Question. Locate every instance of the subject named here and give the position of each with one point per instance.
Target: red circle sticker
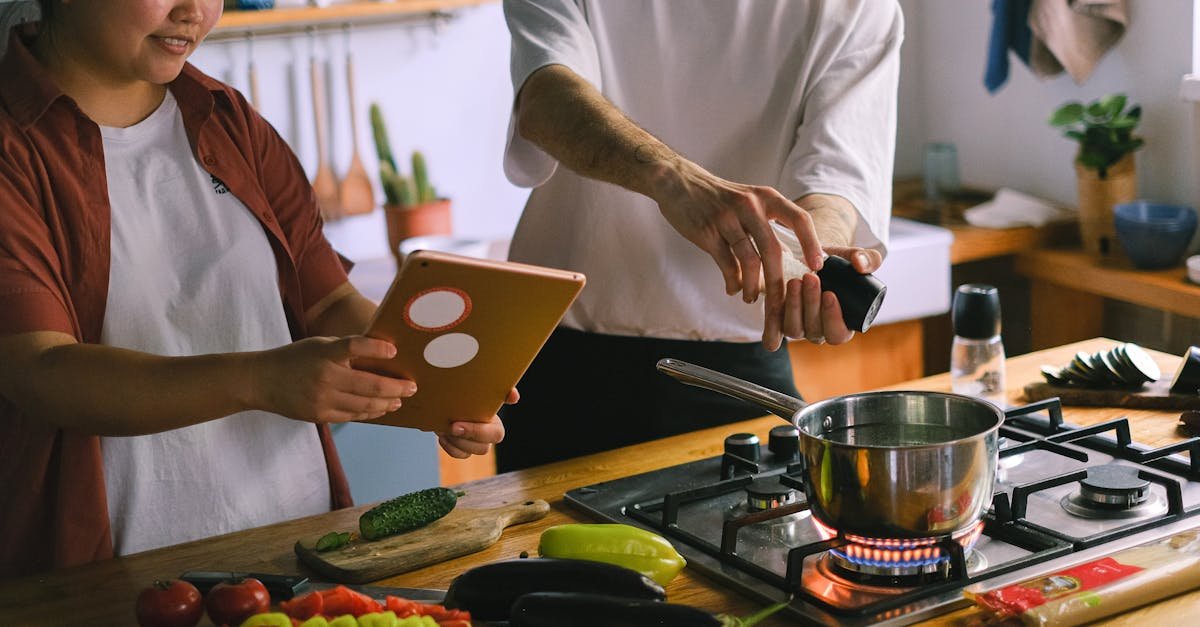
(437, 309)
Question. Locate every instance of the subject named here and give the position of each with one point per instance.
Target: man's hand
(809, 312)
(467, 438)
(312, 380)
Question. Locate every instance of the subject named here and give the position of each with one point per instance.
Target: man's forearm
(569, 119)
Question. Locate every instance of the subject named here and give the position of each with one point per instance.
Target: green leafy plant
(1103, 128)
(400, 190)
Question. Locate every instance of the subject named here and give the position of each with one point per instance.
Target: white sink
(916, 272)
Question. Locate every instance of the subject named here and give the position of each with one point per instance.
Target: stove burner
(768, 493)
(898, 561)
(1113, 491)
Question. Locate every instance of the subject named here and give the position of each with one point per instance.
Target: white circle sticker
(438, 309)
(451, 350)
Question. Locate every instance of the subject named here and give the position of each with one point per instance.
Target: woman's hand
(312, 380)
(475, 438)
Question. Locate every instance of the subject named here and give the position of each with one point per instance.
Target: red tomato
(231, 603)
(172, 603)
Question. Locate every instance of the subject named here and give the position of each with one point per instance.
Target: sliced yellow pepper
(624, 545)
(315, 621)
(268, 619)
(378, 619)
(345, 620)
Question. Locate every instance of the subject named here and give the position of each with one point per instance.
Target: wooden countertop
(103, 593)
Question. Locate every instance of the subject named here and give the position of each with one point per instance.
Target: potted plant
(412, 205)
(1104, 166)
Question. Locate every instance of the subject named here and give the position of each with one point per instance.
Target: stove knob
(744, 445)
(784, 443)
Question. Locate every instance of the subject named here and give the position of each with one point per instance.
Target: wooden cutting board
(460, 532)
(1155, 395)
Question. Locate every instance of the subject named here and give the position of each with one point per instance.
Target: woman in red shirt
(176, 332)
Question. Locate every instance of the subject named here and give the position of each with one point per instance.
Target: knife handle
(281, 587)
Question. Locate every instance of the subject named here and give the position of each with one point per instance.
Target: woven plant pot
(1097, 197)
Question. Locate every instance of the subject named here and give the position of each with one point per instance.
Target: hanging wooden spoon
(253, 74)
(357, 194)
(324, 182)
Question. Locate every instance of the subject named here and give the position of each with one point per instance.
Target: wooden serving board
(1155, 395)
(460, 532)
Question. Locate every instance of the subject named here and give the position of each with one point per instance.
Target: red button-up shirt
(54, 273)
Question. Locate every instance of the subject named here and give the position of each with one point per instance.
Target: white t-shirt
(797, 95)
(193, 273)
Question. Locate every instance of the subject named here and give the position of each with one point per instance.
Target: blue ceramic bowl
(1156, 215)
(1154, 235)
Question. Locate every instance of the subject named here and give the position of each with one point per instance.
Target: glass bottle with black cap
(977, 354)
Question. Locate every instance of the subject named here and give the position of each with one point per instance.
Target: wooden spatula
(324, 183)
(356, 193)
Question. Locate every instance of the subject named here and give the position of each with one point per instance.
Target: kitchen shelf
(237, 24)
(973, 243)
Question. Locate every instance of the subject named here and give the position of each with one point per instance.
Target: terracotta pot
(1097, 196)
(431, 218)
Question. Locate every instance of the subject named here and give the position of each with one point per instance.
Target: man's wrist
(834, 218)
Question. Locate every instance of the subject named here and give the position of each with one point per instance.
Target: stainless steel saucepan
(883, 464)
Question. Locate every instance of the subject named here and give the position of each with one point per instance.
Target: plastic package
(1118, 583)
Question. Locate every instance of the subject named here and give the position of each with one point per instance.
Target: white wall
(443, 86)
(1003, 139)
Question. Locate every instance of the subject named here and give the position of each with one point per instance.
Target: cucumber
(406, 512)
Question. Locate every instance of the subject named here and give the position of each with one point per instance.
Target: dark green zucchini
(581, 609)
(488, 591)
(406, 512)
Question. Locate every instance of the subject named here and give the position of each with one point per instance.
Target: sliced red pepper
(304, 606)
(401, 606)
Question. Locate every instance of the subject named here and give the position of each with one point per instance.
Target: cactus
(379, 129)
(421, 178)
(399, 190)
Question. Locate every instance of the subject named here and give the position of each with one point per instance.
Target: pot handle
(777, 403)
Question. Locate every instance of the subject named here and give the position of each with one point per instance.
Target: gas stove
(1064, 495)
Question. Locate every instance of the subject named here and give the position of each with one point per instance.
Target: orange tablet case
(465, 330)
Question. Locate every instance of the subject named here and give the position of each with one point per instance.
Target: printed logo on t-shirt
(219, 185)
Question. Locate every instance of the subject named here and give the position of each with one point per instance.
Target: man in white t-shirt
(684, 129)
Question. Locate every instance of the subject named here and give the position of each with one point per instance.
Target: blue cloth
(1010, 31)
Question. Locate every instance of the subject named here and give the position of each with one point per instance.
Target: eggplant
(488, 591)
(581, 609)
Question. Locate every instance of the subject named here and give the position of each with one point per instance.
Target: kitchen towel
(1010, 31)
(1010, 208)
(1074, 34)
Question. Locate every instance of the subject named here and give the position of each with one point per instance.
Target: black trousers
(588, 392)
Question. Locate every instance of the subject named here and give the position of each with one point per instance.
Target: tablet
(465, 330)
